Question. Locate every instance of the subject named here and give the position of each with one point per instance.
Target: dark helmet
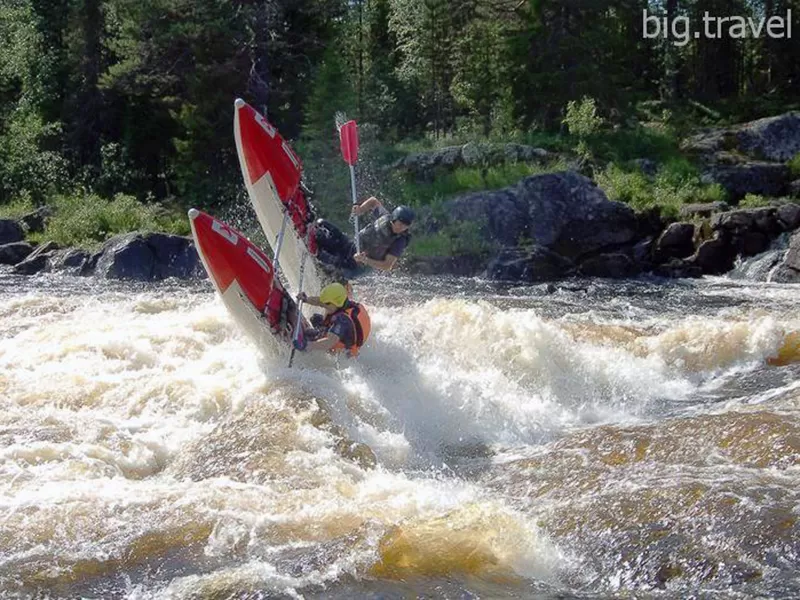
(403, 214)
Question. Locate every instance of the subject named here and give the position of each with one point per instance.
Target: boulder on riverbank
(788, 270)
(425, 166)
(749, 158)
(10, 231)
(751, 177)
(147, 257)
(564, 212)
(774, 139)
(134, 256)
(530, 265)
(15, 252)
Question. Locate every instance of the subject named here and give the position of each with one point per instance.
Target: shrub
(19, 206)
(794, 165)
(581, 117)
(675, 184)
(754, 201)
(87, 220)
(461, 238)
(463, 180)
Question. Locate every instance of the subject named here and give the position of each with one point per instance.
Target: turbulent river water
(588, 440)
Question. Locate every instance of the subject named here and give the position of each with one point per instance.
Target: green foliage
(87, 220)
(460, 238)
(623, 145)
(675, 184)
(463, 180)
(478, 81)
(330, 93)
(754, 201)
(20, 206)
(794, 165)
(135, 96)
(582, 119)
(26, 167)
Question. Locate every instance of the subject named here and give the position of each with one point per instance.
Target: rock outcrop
(425, 166)
(788, 270)
(134, 256)
(774, 139)
(564, 212)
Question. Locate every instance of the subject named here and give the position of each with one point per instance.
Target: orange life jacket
(361, 327)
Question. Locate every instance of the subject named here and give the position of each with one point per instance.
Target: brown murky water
(633, 439)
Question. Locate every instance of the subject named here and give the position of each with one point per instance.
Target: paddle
(296, 330)
(348, 141)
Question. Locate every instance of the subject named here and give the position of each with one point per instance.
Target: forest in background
(128, 104)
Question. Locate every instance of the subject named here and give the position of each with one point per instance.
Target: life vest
(376, 238)
(361, 327)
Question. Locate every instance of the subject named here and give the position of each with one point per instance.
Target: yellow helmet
(334, 293)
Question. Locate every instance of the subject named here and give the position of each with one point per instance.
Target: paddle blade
(348, 139)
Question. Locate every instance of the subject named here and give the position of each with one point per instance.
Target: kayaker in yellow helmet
(344, 327)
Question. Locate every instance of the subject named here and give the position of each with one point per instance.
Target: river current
(589, 439)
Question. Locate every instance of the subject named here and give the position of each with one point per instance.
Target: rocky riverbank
(545, 227)
(561, 224)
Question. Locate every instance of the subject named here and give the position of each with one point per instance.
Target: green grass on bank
(406, 190)
(676, 183)
(87, 220)
(454, 239)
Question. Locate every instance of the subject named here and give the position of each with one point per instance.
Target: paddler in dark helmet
(382, 242)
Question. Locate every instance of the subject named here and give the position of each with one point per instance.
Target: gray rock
(767, 179)
(449, 158)
(531, 265)
(10, 231)
(425, 165)
(503, 214)
(732, 221)
(146, 257)
(788, 216)
(788, 271)
(678, 268)
(702, 209)
(175, 256)
(738, 222)
(794, 189)
(125, 256)
(642, 251)
(709, 141)
(475, 155)
(70, 260)
(752, 243)
(677, 241)
(650, 222)
(765, 220)
(11, 254)
(772, 138)
(570, 215)
(37, 260)
(714, 256)
(528, 154)
(34, 222)
(564, 212)
(614, 266)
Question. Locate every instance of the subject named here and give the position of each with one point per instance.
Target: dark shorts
(335, 251)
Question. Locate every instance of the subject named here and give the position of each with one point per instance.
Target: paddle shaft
(355, 201)
(279, 243)
(296, 331)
